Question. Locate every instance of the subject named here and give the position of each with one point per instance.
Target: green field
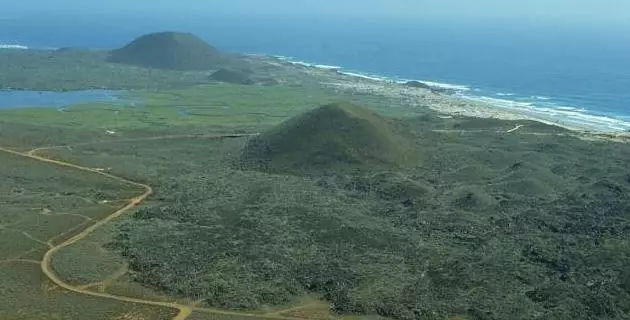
(198, 110)
(41, 205)
(27, 294)
(75, 69)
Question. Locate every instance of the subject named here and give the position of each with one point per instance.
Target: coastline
(461, 100)
(448, 99)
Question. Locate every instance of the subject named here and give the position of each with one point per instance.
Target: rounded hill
(167, 50)
(338, 137)
(232, 76)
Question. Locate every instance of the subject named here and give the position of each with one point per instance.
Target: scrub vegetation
(41, 205)
(483, 219)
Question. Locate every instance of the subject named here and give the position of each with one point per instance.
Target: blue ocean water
(578, 70)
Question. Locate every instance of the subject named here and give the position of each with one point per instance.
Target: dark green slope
(490, 226)
(338, 137)
(232, 76)
(168, 50)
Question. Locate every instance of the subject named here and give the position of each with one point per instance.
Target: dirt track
(46, 264)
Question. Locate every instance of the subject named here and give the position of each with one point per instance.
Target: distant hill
(168, 50)
(417, 84)
(338, 137)
(434, 89)
(232, 76)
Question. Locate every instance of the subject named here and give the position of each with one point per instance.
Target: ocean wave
(281, 57)
(561, 115)
(364, 76)
(570, 108)
(13, 46)
(439, 85)
(498, 102)
(536, 107)
(307, 64)
(447, 86)
(326, 67)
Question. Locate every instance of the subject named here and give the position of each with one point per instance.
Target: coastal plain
(266, 204)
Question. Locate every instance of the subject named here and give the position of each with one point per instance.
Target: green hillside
(528, 225)
(232, 76)
(168, 50)
(334, 137)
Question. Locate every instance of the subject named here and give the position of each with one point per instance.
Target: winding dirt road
(46, 264)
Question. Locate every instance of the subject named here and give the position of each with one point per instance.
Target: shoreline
(460, 100)
(445, 98)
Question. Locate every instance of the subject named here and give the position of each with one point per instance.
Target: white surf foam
(281, 57)
(499, 102)
(562, 115)
(538, 107)
(364, 76)
(570, 108)
(307, 64)
(439, 85)
(13, 46)
(448, 86)
(318, 66)
(327, 67)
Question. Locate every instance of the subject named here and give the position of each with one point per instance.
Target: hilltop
(337, 137)
(167, 50)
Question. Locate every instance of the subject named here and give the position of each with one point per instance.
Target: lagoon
(10, 99)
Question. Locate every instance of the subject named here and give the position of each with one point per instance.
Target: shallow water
(23, 99)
